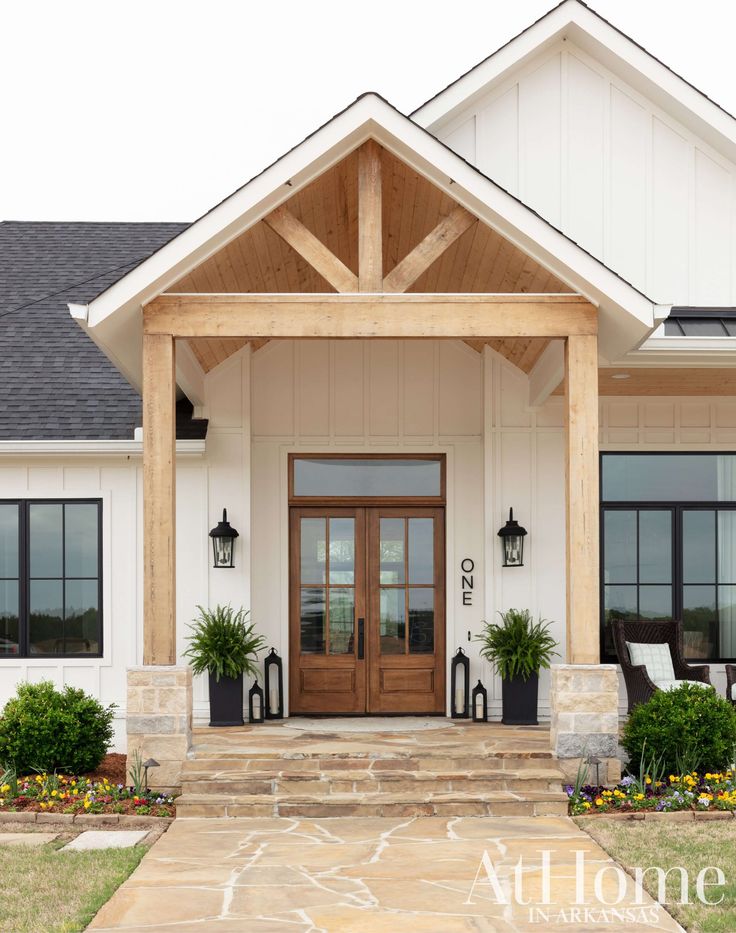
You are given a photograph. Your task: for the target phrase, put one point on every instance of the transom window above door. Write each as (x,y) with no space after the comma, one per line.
(366,477)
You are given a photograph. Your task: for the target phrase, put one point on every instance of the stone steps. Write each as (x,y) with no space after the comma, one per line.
(458,770)
(366,781)
(498,803)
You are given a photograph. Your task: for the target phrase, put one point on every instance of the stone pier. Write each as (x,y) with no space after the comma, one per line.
(159,720)
(584,718)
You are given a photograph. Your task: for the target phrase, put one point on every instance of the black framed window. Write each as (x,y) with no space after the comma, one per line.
(51,578)
(668,546)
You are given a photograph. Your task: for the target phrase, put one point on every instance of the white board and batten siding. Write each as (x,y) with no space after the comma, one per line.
(380,396)
(611,170)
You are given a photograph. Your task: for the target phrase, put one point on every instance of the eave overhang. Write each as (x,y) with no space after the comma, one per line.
(113,319)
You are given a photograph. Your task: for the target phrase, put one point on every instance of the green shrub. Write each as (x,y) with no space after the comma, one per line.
(43,729)
(687,729)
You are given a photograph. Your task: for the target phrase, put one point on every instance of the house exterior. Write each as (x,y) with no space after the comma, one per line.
(520,296)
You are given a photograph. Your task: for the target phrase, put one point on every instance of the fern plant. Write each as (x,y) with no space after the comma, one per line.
(519,646)
(224,643)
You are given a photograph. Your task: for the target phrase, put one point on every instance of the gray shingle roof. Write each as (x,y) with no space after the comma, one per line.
(54,382)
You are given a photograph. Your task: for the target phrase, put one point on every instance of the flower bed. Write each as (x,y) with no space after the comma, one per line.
(67,794)
(692,791)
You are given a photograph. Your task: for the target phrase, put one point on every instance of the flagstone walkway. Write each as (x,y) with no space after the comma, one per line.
(370,875)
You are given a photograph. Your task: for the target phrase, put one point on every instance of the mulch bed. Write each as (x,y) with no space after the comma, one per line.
(113,767)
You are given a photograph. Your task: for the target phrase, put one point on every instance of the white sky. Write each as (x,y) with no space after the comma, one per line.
(157,109)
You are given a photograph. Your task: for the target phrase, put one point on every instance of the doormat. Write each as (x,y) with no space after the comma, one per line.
(369,724)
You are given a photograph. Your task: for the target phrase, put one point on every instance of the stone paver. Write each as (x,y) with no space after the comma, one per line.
(368,875)
(26,839)
(106,839)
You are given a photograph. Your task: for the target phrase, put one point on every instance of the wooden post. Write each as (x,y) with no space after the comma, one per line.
(159,499)
(370,223)
(583,597)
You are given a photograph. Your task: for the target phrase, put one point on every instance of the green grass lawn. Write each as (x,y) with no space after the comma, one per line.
(43,890)
(666,844)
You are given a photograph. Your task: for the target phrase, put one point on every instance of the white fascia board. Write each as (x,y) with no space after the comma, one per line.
(131,448)
(443,107)
(113,319)
(682,351)
(604,42)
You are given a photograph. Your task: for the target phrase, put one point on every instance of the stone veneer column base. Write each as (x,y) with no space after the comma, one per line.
(159,720)
(584,718)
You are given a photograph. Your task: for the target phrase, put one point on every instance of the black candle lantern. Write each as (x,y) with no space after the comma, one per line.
(512,541)
(223,539)
(255,703)
(274,686)
(480,703)
(460,685)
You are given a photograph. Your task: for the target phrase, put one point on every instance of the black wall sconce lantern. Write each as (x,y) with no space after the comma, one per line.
(512,541)
(223,539)
(274,686)
(480,703)
(460,685)
(255,703)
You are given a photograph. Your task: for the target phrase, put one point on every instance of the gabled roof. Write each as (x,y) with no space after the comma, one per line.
(55,384)
(574,20)
(113,318)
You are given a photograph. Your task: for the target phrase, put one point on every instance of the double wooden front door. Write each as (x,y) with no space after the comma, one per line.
(367,610)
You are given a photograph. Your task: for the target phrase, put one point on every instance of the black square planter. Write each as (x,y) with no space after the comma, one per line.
(226,701)
(520,701)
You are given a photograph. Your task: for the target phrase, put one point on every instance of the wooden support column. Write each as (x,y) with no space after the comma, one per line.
(159,499)
(370,223)
(583,597)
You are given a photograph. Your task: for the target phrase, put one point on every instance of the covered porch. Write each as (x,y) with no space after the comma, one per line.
(373,304)
(369,273)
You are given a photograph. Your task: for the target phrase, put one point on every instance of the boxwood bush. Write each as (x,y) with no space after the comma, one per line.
(44,729)
(686,729)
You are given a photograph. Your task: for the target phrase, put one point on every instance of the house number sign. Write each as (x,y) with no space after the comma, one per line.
(467,579)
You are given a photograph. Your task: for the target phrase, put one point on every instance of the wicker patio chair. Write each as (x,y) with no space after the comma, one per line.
(730,682)
(639,687)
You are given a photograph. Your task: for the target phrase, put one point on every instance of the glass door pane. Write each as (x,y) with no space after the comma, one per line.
(327,557)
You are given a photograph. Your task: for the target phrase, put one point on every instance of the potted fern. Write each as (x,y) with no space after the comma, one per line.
(224,643)
(518,648)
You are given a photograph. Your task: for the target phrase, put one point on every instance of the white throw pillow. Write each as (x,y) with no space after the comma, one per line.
(674,684)
(733,691)
(656,658)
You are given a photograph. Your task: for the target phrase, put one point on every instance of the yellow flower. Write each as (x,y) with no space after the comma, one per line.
(4,789)
(672,779)
(598,802)
(43,806)
(586,804)
(75,791)
(87,804)
(648,780)
(39,779)
(54,793)
(638,796)
(74,783)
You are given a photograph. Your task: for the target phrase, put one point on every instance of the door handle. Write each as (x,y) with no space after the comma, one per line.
(361,639)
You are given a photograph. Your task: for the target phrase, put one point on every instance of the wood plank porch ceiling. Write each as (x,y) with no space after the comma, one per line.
(477,258)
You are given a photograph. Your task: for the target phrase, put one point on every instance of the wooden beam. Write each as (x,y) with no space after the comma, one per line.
(583,595)
(370,221)
(395,316)
(159,500)
(312,249)
(453,225)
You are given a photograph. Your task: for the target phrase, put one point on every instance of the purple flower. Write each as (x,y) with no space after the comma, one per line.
(628,781)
